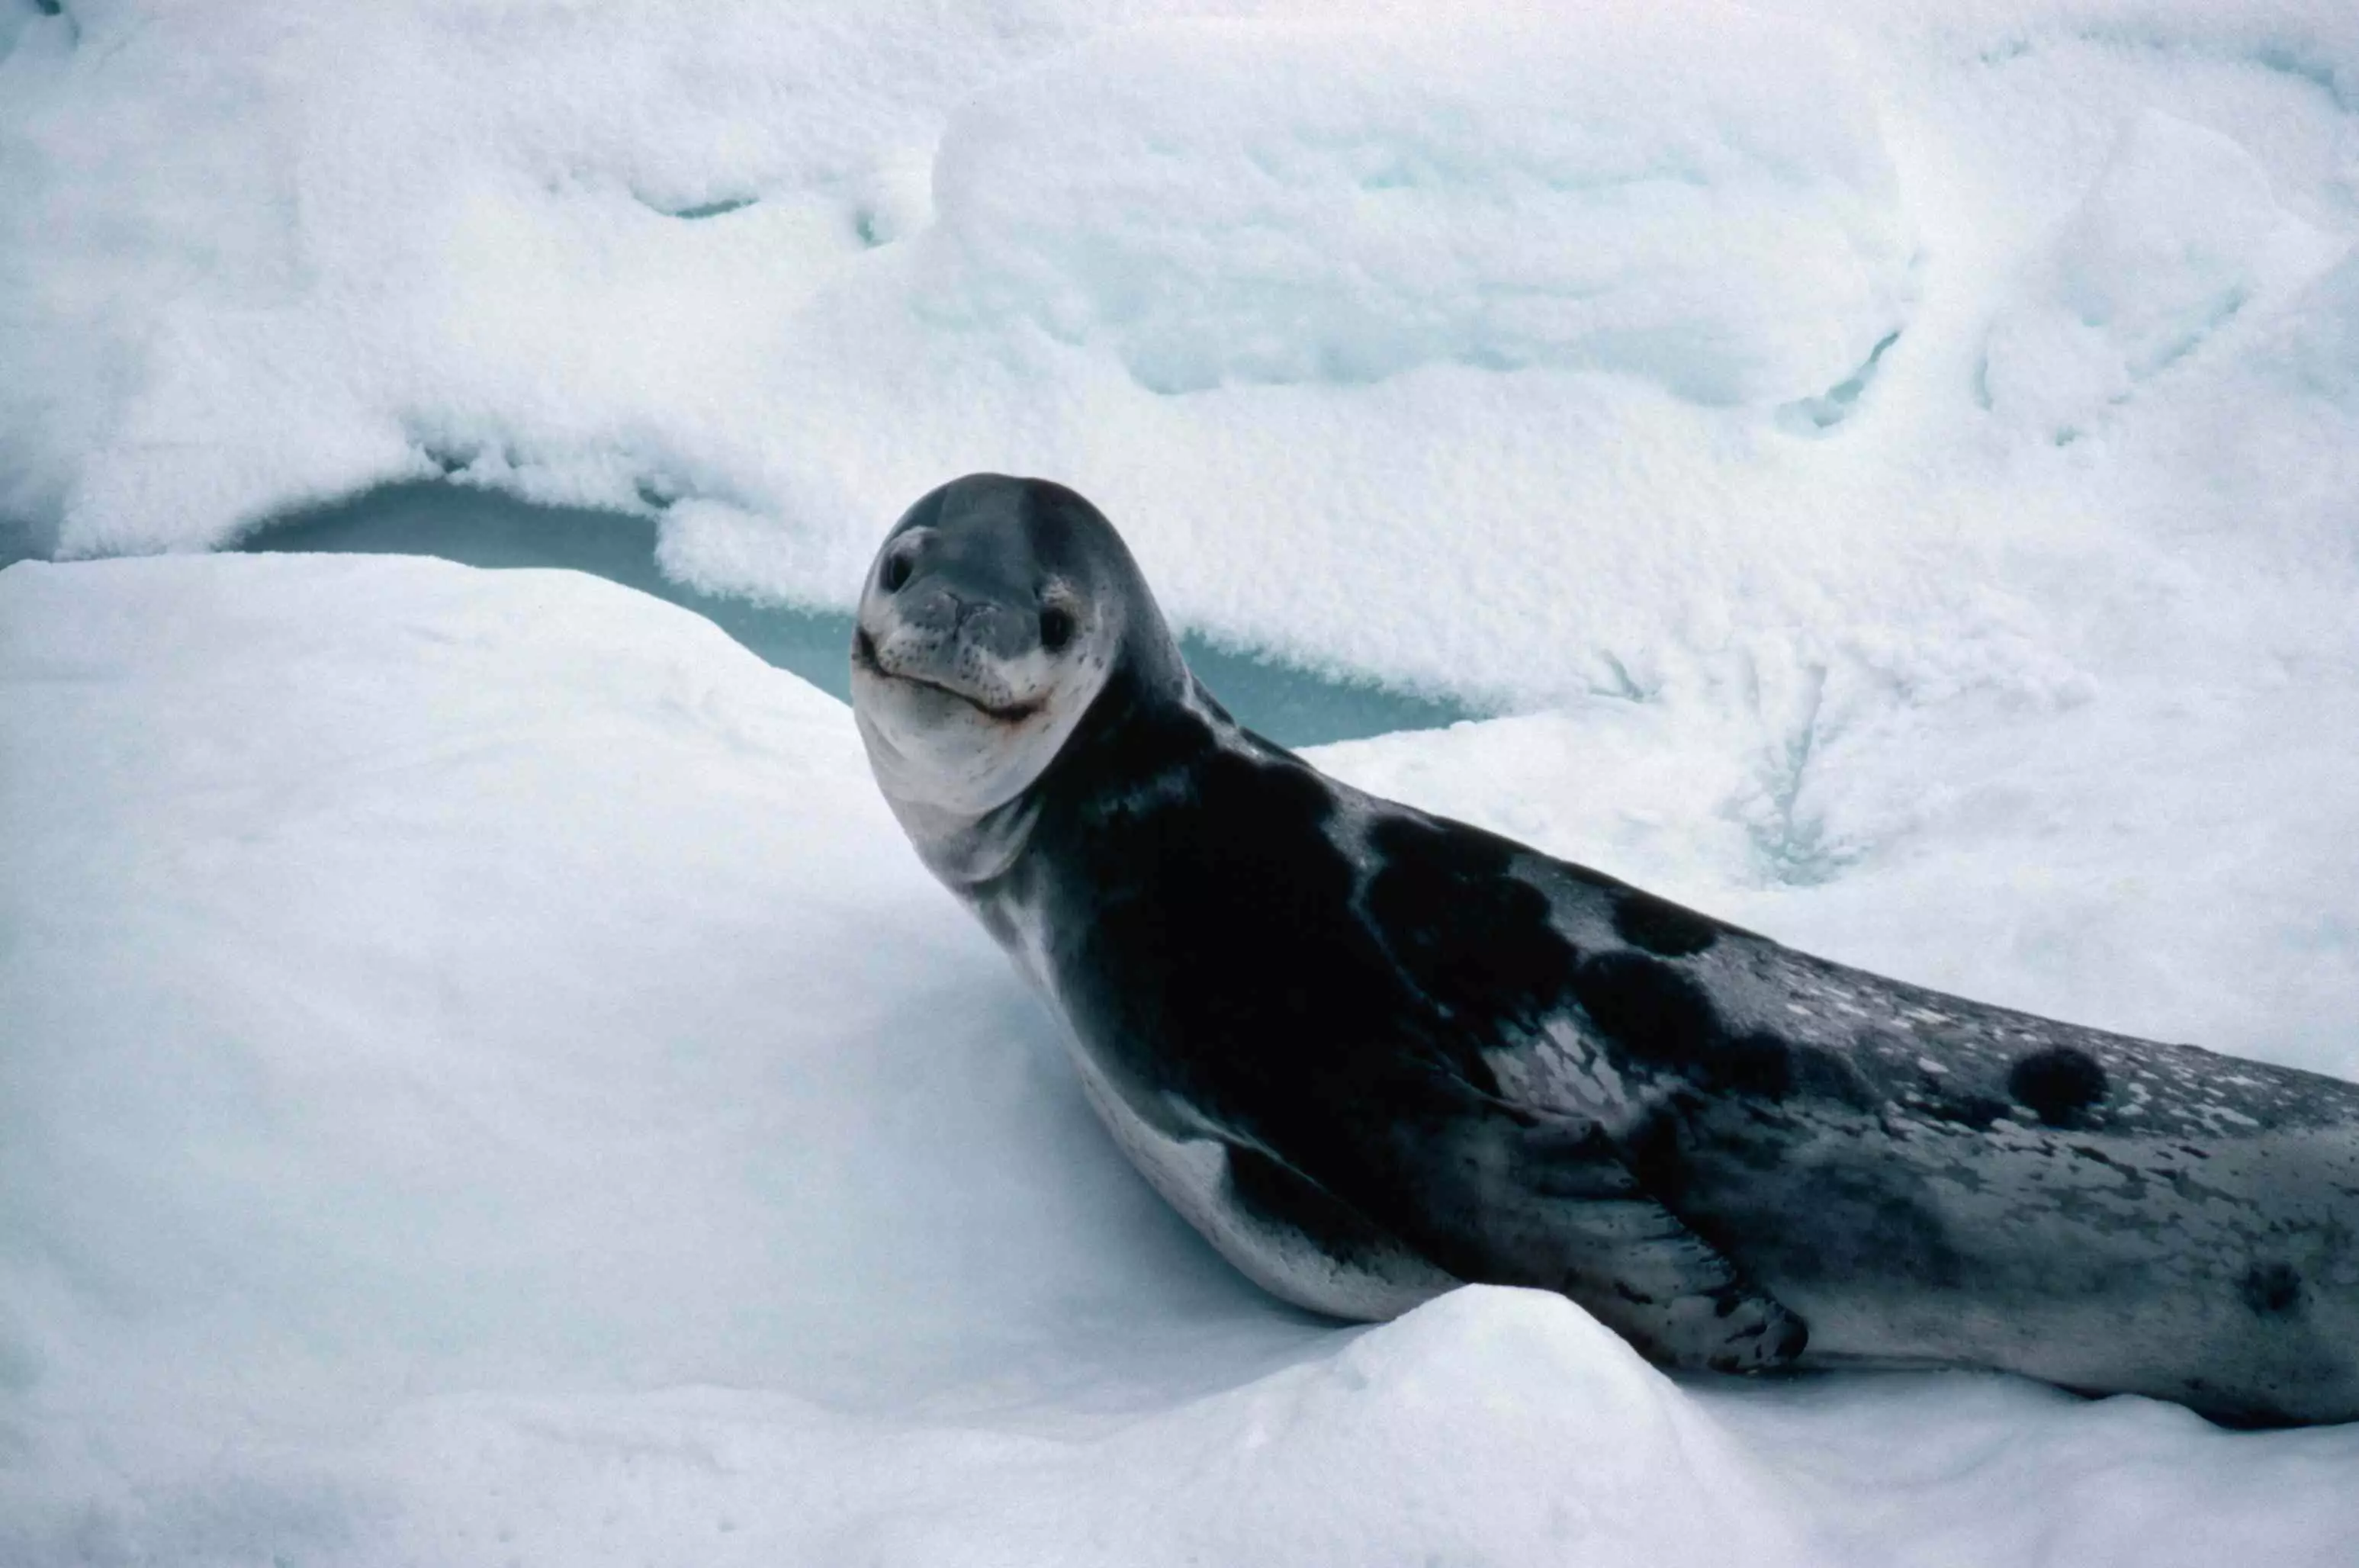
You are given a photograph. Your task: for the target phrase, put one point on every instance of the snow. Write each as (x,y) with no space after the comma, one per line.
(489,1083)
(2178,237)
(425,984)
(1251,202)
(484,1079)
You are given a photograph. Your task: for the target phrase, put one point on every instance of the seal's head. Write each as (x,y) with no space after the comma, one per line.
(994,614)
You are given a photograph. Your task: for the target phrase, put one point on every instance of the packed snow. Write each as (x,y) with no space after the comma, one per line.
(483,1080)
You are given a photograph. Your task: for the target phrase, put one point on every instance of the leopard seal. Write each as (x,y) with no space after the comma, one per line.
(1372,1053)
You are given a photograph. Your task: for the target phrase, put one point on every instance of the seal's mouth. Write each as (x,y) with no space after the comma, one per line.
(864,657)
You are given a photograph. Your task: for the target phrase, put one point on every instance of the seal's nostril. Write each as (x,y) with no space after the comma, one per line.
(1056,628)
(895,573)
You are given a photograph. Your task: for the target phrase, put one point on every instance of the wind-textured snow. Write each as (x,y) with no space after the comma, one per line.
(480,1077)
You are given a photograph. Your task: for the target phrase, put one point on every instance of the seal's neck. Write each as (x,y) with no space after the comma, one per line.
(966,853)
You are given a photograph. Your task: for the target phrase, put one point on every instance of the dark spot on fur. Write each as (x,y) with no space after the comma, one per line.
(1467,932)
(2271,1290)
(1662,927)
(1835,1225)
(1654,1015)
(1655,1150)
(1211,949)
(1758,1063)
(2059,1084)
(1283,1201)
(1650,1010)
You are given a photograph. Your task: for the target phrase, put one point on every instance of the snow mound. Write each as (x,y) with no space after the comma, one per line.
(2176,239)
(260,255)
(1490,1425)
(425,975)
(1695,196)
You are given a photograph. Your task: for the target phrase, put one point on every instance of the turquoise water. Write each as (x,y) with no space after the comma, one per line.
(480,528)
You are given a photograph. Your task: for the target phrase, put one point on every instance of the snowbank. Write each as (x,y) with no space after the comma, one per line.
(1450,289)
(1698,197)
(488,1083)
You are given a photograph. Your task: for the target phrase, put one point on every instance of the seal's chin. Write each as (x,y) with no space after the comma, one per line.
(864,659)
(938,749)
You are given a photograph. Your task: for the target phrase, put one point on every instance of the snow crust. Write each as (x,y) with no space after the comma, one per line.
(482,1078)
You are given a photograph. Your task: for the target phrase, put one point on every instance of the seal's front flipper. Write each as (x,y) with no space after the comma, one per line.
(1571,1207)
(1499,1194)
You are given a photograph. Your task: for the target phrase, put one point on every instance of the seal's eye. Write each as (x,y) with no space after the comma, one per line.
(895,573)
(1056,628)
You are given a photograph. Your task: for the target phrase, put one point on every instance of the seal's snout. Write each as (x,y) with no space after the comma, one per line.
(991,619)
(939,591)
(980,626)
(951,618)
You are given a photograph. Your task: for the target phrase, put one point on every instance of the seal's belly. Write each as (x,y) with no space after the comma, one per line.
(1295,1244)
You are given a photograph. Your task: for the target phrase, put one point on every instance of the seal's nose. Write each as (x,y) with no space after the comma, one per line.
(995,628)
(971,619)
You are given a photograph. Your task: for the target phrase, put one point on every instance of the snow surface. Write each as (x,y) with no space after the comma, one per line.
(2177,236)
(487,1083)
(1257,202)
(477,1059)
